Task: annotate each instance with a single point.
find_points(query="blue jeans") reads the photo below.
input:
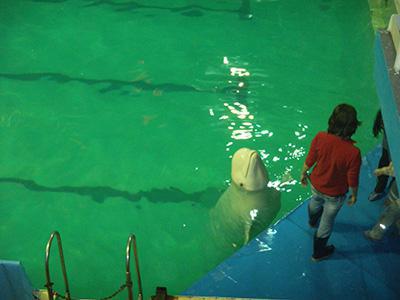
(330, 206)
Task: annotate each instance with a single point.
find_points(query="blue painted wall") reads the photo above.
(385, 91)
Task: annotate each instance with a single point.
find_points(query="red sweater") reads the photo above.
(337, 164)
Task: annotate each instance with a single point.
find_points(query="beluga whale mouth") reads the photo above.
(248, 170)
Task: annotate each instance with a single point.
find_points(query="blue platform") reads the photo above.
(14, 284)
(277, 264)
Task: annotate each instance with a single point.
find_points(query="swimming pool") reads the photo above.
(122, 116)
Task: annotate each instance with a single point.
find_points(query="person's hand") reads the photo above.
(388, 170)
(380, 171)
(352, 200)
(304, 179)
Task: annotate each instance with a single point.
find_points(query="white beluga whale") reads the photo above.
(248, 206)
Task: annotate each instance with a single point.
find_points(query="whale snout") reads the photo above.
(248, 170)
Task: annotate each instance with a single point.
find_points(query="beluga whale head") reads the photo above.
(248, 206)
(248, 171)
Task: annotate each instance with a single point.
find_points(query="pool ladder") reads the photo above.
(128, 283)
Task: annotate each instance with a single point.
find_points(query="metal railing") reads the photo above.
(49, 284)
(128, 284)
(132, 240)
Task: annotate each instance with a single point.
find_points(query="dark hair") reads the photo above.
(343, 121)
(378, 124)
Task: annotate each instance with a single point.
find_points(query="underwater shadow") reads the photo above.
(110, 84)
(206, 197)
(244, 10)
(50, 1)
(124, 86)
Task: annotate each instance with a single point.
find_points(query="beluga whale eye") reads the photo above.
(241, 184)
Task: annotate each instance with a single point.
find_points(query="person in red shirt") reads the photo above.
(336, 166)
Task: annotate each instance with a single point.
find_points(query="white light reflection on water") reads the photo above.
(253, 214)
(244, 128)
(242, 125)
(239, 130)
(241, 72)
(240, 119)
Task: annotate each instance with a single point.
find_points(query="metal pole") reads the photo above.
(49, 284)
(132, 239)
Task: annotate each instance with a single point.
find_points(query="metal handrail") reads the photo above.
(132, 239)
(49, 284)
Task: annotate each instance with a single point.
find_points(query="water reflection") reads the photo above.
(239, 117)
(241, 120)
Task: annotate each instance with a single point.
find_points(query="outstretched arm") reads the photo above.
(311, 159)
(304, 175)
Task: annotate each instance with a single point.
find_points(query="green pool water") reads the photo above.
(121, 117)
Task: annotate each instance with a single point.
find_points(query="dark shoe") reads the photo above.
(375, 196)
(368, 234)
(313, 219)
(321, 250)
(325, 253)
